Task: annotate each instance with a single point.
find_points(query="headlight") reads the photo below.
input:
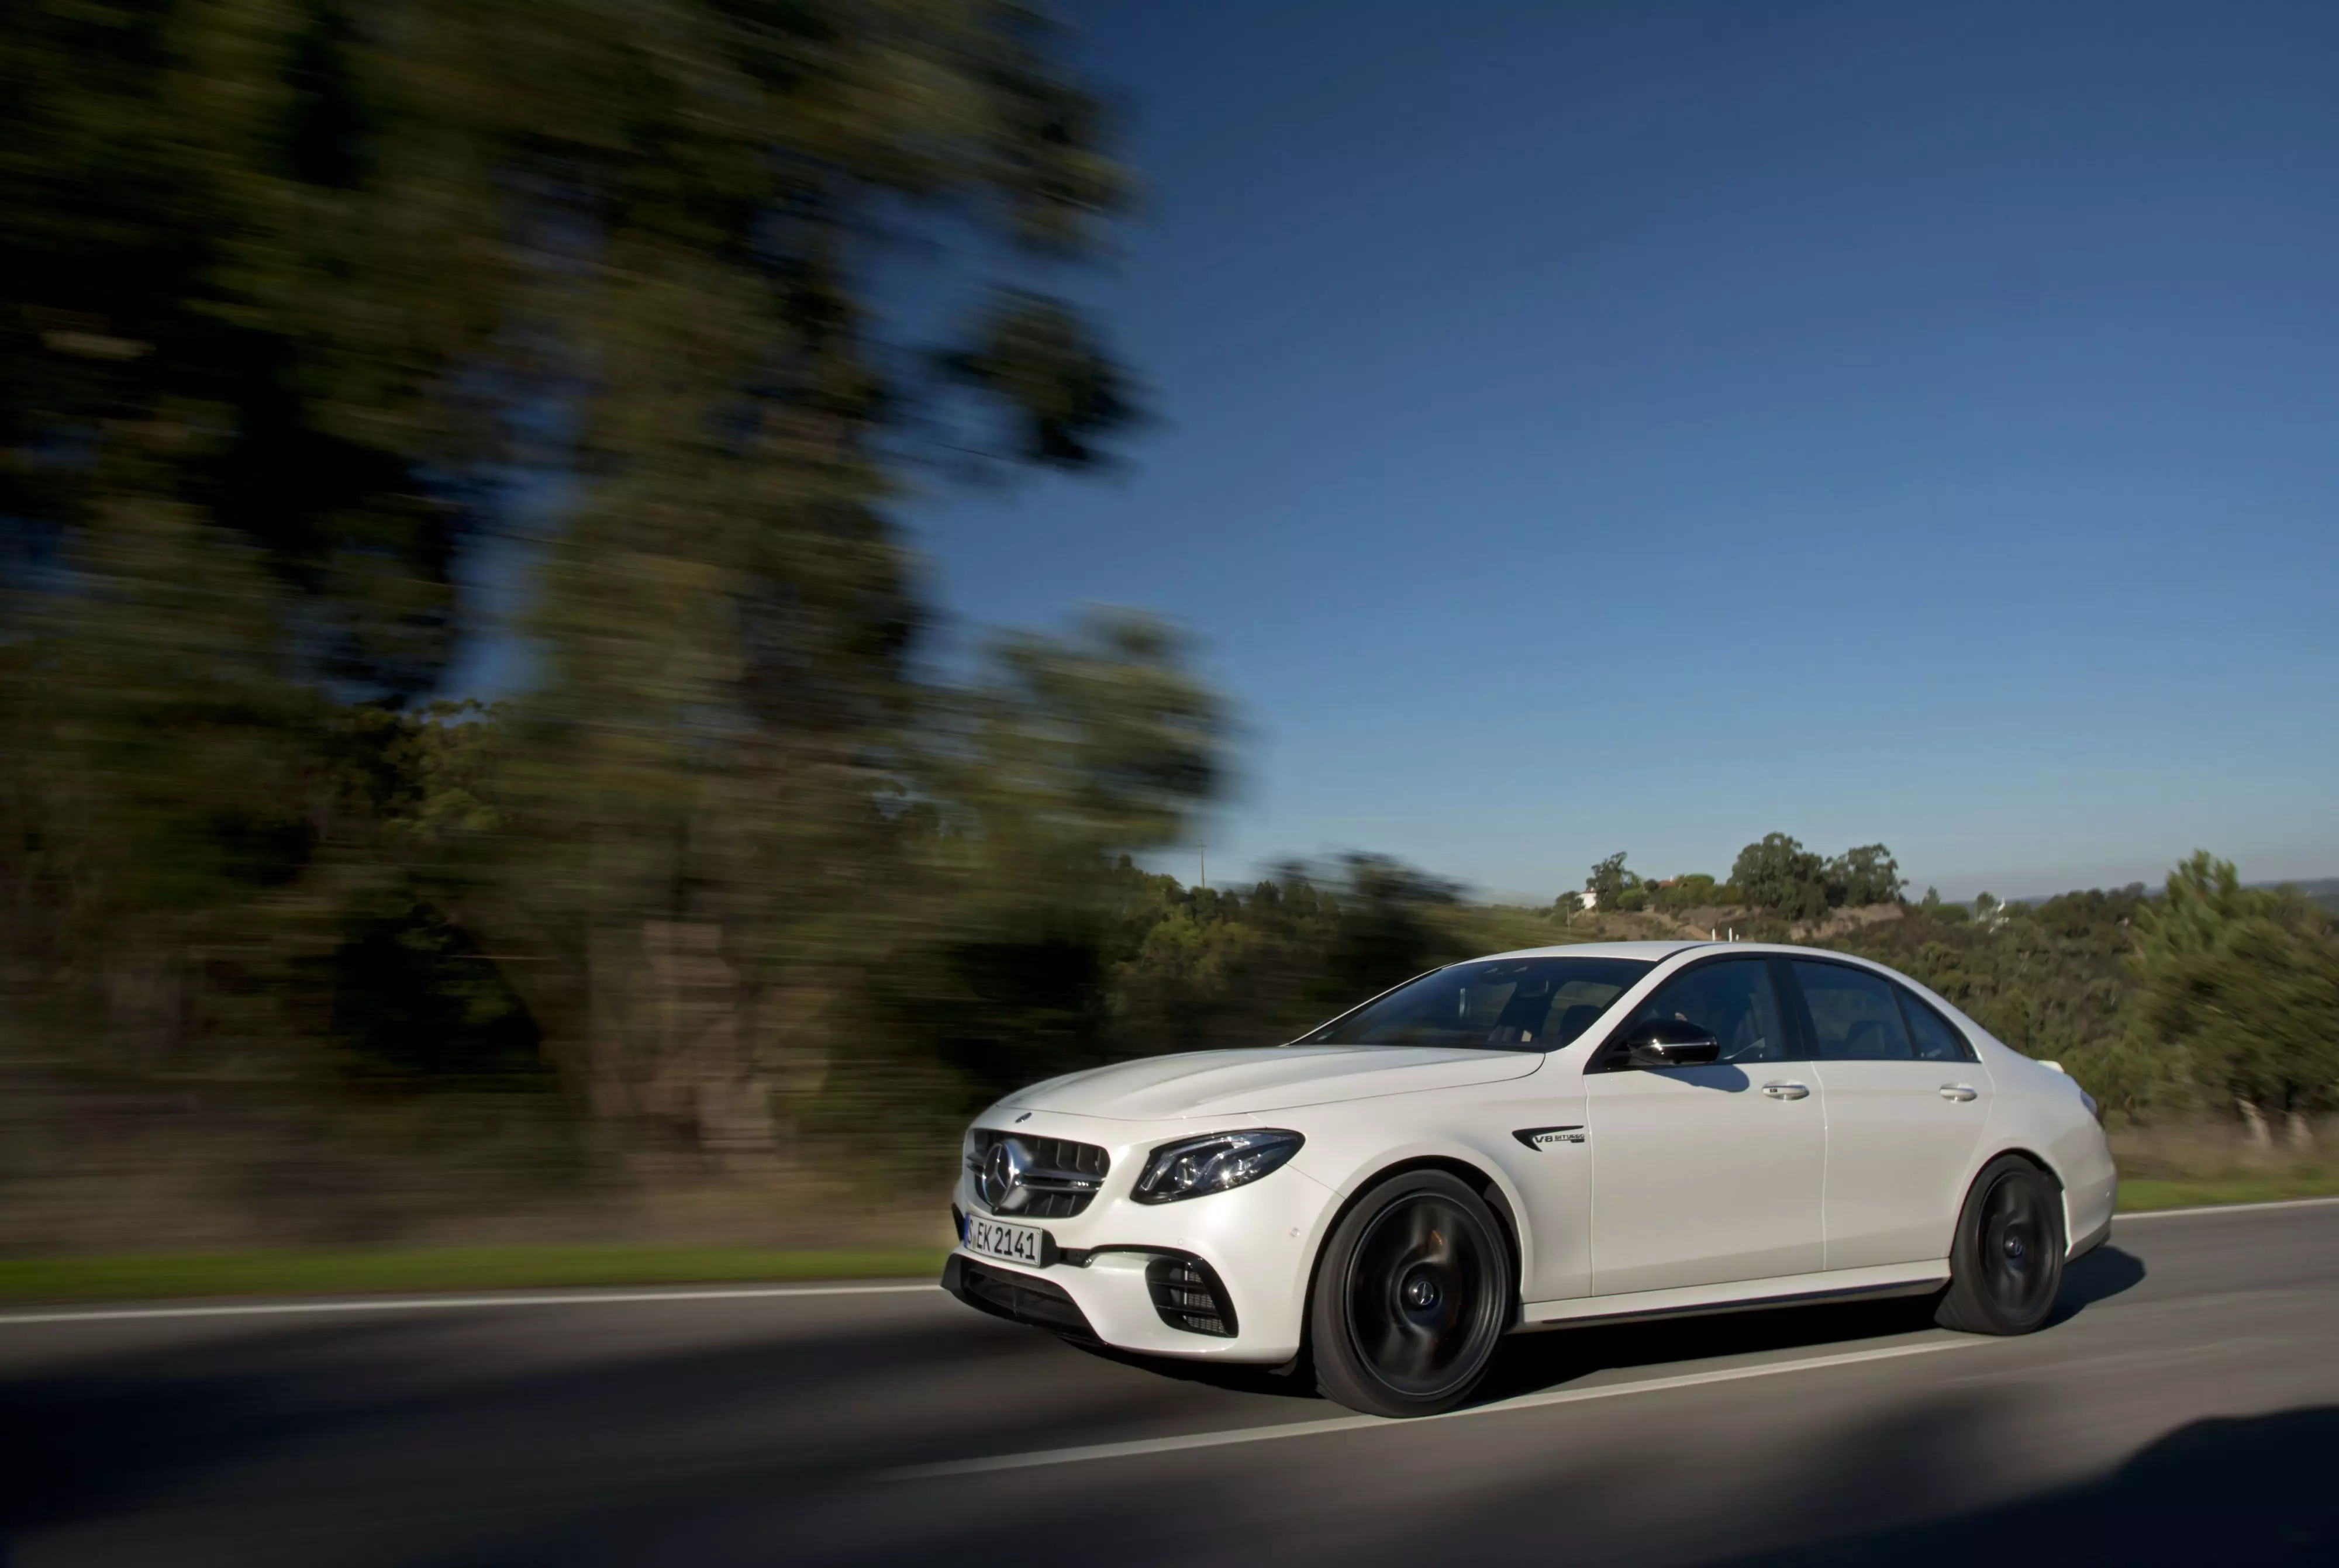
(1200, 1165)
(2089, 1101)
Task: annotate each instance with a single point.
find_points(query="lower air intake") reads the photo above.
(1005, 1294)
(1188, 1295)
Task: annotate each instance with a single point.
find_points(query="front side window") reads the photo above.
(1854, 1017)
(1496, 1005)
(1734, 999)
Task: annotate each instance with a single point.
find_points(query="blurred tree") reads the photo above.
(2243, 982)
(231, 325)
(238, 297)
(1085, 746)
(295, 298)
(1390, 929)
(1073, 752)
(702, 852)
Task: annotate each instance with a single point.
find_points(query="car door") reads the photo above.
(1906, 1107)
(1714, 1174)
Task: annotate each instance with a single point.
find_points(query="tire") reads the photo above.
(2006, 1264)
(1412, 1292)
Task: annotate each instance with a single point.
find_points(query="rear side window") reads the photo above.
(1854, 1017)
(1935, 1039)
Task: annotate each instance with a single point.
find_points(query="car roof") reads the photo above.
(1657, 951)
(1647, 950)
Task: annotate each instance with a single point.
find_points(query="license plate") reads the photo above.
(1023, 1244)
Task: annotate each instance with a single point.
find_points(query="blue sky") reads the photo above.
(1643, 428)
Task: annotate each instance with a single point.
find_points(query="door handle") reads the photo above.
(1785, 1090)
(1958, 1092)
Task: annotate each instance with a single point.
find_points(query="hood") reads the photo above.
(1273, 1078)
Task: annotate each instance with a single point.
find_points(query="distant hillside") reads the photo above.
(2323, 890)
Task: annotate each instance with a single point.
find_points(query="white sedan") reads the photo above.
(1542, 1137)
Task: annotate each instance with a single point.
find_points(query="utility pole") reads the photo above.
(1202, 850)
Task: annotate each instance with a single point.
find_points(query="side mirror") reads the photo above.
(1671, 1042)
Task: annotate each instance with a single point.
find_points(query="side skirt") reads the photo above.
(1696, 1300)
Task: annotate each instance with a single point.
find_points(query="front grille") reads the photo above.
(1188, 1295)
(1019, 1297)
(1059, 1177)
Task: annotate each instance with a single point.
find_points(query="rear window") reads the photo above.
(1936, 1040)
(1494, 1004)
(1853, 1013)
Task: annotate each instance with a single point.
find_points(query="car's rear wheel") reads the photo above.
(1413, 1291)
(2006, 1265)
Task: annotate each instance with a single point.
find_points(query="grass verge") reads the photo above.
(2140, 1193)
(304, 1273)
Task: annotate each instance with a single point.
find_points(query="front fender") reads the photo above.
(1350, 1172)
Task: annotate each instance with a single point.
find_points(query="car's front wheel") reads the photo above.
(2006, 1263)
(1412, 1294)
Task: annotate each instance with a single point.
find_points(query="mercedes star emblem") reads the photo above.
(1003, 1175)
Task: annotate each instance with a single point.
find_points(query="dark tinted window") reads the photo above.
(1518, 1004)
(1853, 1015)
(1935, 1039)
(1734, 999)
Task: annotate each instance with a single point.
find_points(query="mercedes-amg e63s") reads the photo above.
(1556, 1136)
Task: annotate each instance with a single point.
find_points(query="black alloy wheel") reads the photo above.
(1412, 1293)
(2006, 1264)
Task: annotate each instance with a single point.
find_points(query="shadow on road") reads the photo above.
(571, 1439)
(1288, 1382)
(108, 1434)
(2100, 1275)
(1532, 1362)
(2237, 1493)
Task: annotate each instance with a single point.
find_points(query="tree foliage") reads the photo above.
(1866, 874)
(1779, 876)
(307, 309)
(2051, 981)
(2243, 983)
(1610, 879)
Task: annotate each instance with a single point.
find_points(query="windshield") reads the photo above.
(1498, 1004)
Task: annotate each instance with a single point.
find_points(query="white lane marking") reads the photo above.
(448, 1303)
(1047, 1456)
(2126, 1216)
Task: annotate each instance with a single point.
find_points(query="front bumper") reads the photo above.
(1012, 1293)
(1256, 1244)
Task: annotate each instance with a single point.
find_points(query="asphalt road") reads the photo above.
(2184, 1408)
